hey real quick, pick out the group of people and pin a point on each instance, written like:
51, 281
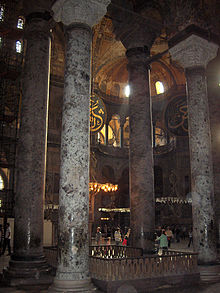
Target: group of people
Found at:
119, 238
166, 236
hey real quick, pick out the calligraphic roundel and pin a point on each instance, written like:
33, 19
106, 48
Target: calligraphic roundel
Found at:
176, 116
97, 114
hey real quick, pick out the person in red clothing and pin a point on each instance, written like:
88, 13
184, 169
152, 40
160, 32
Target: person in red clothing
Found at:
125, 241
169, 234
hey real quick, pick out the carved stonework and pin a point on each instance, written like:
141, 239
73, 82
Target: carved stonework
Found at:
76, 11
131, 28
194, 51
178, 14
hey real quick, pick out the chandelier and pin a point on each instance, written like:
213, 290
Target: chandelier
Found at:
106, 187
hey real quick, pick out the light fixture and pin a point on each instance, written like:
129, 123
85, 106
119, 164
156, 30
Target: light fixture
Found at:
116, 210
106, 187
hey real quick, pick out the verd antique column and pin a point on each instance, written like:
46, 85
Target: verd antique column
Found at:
140, 151
27, 265
137, 35
73, 245
193, 54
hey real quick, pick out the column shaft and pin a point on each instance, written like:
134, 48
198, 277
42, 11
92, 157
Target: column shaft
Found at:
141, 153
194, 53
122, 135
201, 165
74, 181
73, 248
31, 157
106, 133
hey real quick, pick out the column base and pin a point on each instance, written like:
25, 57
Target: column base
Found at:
66, 286
27, 273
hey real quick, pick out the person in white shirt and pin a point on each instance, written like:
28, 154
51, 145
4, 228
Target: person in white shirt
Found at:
117, 236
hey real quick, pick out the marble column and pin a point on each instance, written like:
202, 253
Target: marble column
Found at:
193, 54
73, 247
106, 132
27, 264
138, 35
122, 123
140, 152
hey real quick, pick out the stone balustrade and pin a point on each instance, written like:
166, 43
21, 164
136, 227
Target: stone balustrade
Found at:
111, 265
174, 263
111, 262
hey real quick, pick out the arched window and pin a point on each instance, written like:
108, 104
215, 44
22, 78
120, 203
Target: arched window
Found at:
159, 87
101, 135
2, 10
160, 137
114, 135
18, 46
20, 23
127, 91
126, 133
2, 186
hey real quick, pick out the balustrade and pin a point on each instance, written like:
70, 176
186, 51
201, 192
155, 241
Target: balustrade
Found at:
115, 269
114, 263
114, 251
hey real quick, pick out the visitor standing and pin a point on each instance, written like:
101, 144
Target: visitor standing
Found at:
7, 239
117, 236
190, 238
98, 236
169, 234
127, 235
163, 242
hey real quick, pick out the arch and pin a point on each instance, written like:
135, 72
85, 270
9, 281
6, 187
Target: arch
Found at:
108, 174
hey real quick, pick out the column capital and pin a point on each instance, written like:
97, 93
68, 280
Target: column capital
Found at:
194, 51
76, 11
131, 28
